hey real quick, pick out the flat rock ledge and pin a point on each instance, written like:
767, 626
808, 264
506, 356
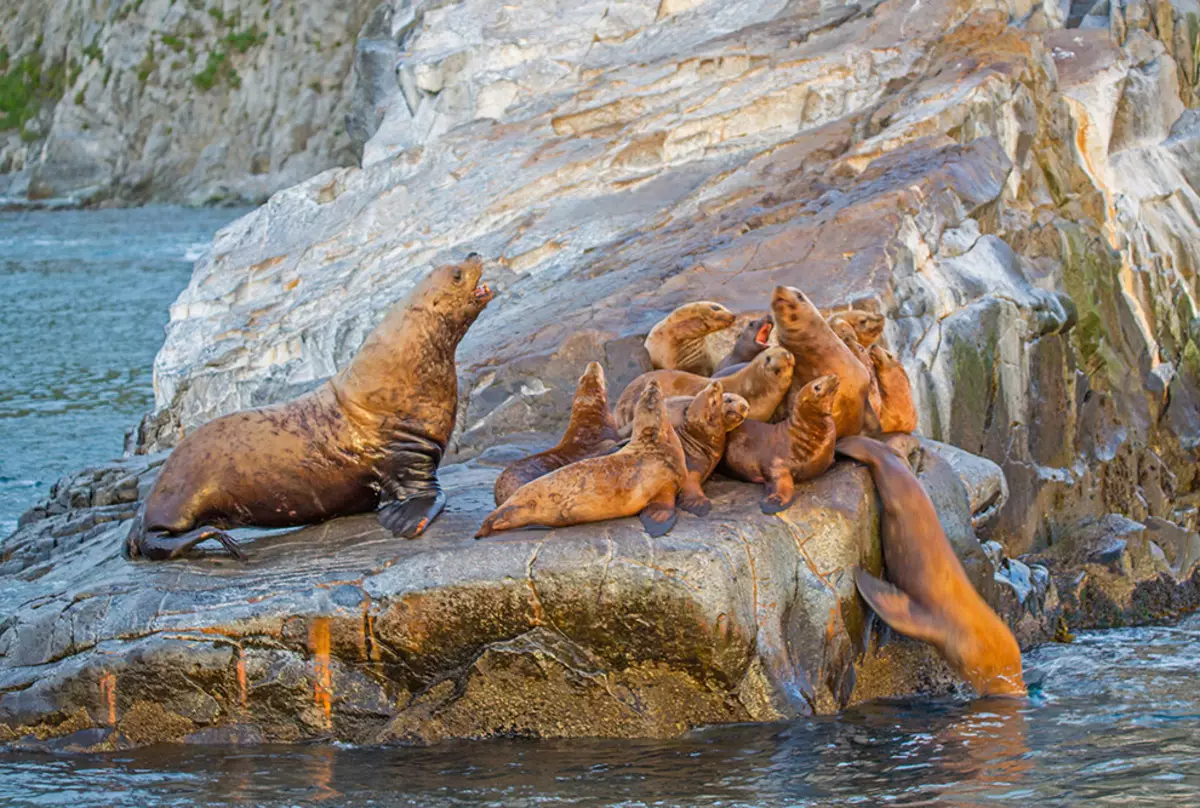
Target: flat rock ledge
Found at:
341, 632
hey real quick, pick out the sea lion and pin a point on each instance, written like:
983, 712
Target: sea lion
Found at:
867, 325
680, 340
763, 383
783, 454
750, 343
643, 478
897, 412
932, 599
710, 416
819, 351
369, 438
590, 431
847, 335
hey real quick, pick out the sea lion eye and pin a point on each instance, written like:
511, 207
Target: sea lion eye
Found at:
458, 276
716, 307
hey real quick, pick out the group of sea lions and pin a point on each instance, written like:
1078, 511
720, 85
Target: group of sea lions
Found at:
372, 437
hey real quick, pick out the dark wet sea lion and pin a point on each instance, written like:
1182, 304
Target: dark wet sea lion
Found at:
791, 451
680, 340
897, 411
867, 325
590, 431
369, 438
750, 343
642, 478
710, 416
763, 383
819, 351
931, 599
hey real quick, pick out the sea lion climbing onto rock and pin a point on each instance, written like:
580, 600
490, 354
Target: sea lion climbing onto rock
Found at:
796, 449
642, 478
710, 416
591, 431
763, 383
930, 597
369, 438
867, 325
897, 411
846, 334
819, 351
680, 340
750, 343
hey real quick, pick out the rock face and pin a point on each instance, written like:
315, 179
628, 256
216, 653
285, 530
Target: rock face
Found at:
128, 101
1019, 198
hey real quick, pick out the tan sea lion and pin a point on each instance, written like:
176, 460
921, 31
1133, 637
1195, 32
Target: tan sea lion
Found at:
763, 383
897, 411
590, 431
819, 351
680, 340
750, 343
710, 416
369, 438
932, 599
642, 478
791, 451
846, 334
867, 325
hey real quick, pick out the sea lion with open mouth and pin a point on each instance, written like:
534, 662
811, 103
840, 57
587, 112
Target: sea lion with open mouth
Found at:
750, 343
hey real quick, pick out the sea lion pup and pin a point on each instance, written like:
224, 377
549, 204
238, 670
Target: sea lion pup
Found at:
750, 343
643, 478
932, 599
710, 416
369, 438
679, 341
846, 334
819, 351
867, 325
590, 431
783, 454
763, 383
897, 412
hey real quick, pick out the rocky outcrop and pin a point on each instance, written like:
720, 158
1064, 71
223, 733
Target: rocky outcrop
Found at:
128, 101
1019, 198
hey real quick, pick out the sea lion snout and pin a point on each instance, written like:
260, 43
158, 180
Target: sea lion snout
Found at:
764, 330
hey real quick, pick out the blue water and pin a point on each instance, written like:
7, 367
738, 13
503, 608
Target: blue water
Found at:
83, 303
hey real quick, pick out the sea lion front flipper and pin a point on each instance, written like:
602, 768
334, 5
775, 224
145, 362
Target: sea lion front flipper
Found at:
691, 497
659, 516
410, 495
156, 545
898, 610
408, 518
780, 492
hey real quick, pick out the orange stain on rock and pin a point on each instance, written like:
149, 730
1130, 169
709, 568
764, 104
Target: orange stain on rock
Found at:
108, 697
241, 677
319, 644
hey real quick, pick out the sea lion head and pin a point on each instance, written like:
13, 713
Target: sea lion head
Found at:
706, 411
819, 394
867, 325
792, 310
776, 363
592, 383
700, 318
844, 330
734, 410
453, 292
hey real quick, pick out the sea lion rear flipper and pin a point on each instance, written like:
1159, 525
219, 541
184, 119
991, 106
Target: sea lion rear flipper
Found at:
898, 610
157, 545
409, 517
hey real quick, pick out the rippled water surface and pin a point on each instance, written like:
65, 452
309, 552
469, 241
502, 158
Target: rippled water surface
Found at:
83, 302
1117, 722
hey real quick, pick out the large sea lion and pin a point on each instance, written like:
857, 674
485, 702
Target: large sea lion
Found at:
932, 599
763, 383
750, 343
710, 416
819, 351
680, 340
642, 478
897, 411
783, 454
867, 325
847, 335
369, 438
590, 431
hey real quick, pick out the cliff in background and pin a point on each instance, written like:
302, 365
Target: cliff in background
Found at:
185, 101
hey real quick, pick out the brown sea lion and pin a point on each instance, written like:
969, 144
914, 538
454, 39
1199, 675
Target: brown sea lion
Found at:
897, 411
710, 416
750, 343
590, 431
819, 351
642, 478
846, 334
932, 599
369, 438
783, 454
867, 325
680, 340
763, 383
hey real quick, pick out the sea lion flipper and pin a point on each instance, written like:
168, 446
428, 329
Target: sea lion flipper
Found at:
157, 545
659, 516
408, 518
691, 497
780, 491
898, 610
